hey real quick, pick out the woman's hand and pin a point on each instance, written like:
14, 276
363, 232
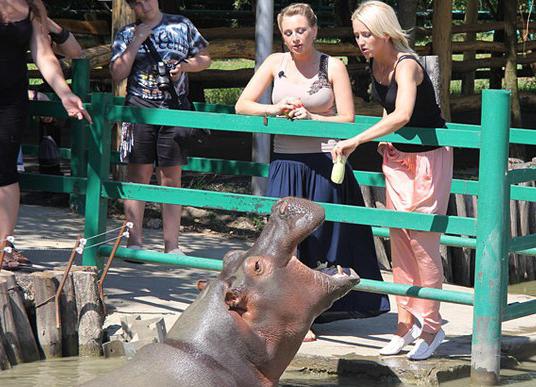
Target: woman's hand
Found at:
299, 113
284, 107
344, 148
73, 105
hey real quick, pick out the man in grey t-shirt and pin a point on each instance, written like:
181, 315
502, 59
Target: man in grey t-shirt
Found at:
183, 50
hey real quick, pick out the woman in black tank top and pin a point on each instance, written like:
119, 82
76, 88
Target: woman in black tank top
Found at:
21, 29
417, 177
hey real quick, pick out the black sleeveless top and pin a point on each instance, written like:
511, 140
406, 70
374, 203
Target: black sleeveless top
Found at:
426, 113
14, 43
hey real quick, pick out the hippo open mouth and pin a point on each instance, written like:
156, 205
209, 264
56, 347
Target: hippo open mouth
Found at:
324, 286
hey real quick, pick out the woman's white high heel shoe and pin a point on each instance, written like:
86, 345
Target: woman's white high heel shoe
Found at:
397, 343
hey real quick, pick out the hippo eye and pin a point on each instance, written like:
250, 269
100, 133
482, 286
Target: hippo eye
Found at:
257, 266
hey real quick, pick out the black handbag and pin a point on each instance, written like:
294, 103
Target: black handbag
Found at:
184, 136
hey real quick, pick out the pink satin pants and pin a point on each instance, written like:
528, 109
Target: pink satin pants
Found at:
417, 182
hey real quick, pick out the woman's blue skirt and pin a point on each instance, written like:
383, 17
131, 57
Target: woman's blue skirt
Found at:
307, 175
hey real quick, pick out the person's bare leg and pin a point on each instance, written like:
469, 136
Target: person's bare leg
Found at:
405, 321
171, 213
9, 209
134, 209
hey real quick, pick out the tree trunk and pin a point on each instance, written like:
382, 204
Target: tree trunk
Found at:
9, 326
471, 17
407, 15
26, 338
68, 316
90, 316
441, 43
495, 81
122, 14
48, 334
510, 71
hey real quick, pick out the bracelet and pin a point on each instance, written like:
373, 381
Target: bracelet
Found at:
60, 37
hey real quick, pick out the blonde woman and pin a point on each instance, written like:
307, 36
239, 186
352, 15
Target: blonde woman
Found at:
22, 27
417, 177
308, 84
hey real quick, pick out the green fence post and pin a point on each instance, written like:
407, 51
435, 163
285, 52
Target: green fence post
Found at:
98, 169
79, 131
491, 244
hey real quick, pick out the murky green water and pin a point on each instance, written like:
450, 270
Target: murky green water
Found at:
69, 372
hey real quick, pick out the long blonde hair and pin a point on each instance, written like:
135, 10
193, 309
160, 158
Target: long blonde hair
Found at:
381, 20
297, 9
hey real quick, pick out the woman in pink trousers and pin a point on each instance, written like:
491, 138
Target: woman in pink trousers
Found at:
417, 177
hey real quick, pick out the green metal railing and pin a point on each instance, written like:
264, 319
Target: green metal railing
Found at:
489, 232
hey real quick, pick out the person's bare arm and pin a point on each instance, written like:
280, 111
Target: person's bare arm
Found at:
263, 77
120, 68
197, 63
50, 68
70, 48
408, 76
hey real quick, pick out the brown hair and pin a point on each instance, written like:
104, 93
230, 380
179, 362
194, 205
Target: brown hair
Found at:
297, 9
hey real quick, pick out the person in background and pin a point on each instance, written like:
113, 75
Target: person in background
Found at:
23, 26
310, 85
417, 177
184, 50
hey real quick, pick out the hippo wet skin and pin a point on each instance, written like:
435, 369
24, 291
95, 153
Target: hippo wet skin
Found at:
246, 325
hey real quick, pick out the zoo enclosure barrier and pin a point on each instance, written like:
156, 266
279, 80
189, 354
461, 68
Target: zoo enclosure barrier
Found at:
489, 232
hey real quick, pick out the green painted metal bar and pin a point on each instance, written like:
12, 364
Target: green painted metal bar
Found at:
492, 239
164, 258
240, 123
519, 309
52, 183
522, 243
366, 285
99, 147
522, 136
447, 240
522, 175
520, 192
452, 296
48, 109
262, 205
79, 132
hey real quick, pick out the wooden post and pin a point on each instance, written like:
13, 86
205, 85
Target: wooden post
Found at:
69, 315
441, 43
48, 335
9, 326
90, 317
471, 17
4, 360
26, 338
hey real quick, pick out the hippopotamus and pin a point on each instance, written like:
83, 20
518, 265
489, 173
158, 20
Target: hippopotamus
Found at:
247, 324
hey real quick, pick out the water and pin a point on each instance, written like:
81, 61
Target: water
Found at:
69, 372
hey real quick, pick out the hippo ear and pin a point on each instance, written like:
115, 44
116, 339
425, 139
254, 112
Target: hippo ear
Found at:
232, 260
